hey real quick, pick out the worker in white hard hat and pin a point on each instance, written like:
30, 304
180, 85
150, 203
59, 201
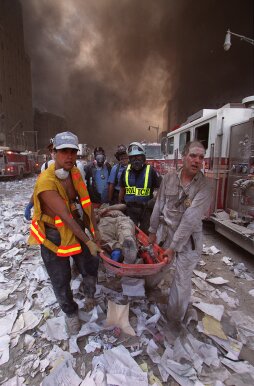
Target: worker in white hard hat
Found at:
138, 182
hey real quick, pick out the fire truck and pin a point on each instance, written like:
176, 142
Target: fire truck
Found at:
155, 157
15, 164
228, 136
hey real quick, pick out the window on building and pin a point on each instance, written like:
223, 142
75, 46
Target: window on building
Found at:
184, 138
171, 145
202, 134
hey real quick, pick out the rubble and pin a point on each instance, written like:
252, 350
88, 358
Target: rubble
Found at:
125, 337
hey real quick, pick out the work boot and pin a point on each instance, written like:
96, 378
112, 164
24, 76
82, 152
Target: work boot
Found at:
129, 250
73, 324
89, 286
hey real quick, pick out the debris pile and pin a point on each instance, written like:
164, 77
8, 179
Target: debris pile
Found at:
125, 338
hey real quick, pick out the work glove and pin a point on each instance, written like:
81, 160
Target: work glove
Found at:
28, 211
93, 248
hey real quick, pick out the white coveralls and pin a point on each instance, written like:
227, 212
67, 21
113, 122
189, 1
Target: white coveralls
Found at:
177, 220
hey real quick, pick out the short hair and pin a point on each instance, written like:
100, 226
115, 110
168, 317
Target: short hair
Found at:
188, 145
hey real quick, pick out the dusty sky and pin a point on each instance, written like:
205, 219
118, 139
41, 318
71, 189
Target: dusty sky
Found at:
110, 66
99, 64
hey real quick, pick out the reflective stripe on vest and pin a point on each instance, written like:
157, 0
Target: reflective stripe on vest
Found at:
58, 222
40, 237
69, 250
142, 192
85, 201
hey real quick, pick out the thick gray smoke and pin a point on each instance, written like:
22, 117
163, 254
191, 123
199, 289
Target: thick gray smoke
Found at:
110, 66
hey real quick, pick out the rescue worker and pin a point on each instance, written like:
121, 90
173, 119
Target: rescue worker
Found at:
96, 175
44, 166
115, 174
138, 182
59, 228
176, 222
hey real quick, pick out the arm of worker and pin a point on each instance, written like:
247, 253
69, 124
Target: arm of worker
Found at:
111, 182
58, 207
111, 188
192, 217
157, 210
28, 208
97, 235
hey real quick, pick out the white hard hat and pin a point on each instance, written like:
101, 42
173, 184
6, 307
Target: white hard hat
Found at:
135, 148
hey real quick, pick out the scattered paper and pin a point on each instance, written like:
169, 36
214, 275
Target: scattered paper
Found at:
217, 280
214, 310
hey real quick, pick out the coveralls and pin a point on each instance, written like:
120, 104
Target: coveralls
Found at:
177, 220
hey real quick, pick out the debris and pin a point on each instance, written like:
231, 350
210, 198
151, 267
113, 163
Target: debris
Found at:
217, 280
214, 310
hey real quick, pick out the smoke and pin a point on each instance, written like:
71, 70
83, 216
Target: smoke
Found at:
111, 66
99, 65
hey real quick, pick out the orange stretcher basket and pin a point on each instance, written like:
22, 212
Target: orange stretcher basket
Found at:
121, 269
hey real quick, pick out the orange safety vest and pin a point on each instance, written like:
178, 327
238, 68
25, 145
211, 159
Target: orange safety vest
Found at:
47, 180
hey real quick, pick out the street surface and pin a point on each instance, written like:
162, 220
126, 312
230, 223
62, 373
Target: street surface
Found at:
33, 340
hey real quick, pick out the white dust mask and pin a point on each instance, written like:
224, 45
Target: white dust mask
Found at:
62, 174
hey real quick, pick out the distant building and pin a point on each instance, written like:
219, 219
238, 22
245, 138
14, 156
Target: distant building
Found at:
47, 125
16, 113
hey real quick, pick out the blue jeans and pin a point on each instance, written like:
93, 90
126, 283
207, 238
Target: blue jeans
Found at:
59, 270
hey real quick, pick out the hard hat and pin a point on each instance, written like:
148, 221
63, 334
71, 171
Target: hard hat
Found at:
98, 149
121, 150
135, 148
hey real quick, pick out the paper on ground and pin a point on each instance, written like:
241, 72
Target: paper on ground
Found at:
227, 260
55, 329
232, 346
251, 292
200, 274
62, 375
213, 327
4, 349
7, 322
133, 286
15, 381
217, 280
214, 310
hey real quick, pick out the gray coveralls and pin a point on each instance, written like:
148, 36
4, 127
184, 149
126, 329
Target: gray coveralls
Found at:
177, 220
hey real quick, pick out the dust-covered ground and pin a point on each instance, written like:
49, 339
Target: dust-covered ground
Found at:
35, 348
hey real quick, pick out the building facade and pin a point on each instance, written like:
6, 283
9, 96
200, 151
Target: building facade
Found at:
16, 113
47, 125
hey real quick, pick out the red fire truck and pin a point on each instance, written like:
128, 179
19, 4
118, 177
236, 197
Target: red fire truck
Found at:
15, 164
155, 157
228, 136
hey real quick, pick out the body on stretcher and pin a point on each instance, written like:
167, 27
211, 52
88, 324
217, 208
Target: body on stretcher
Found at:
152, 256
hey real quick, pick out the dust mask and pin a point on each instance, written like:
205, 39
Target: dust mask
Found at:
62, 174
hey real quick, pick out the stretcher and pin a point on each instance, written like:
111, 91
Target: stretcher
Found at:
156, 264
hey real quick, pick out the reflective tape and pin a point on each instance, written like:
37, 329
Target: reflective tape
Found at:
85, 201
69, 250
39, 236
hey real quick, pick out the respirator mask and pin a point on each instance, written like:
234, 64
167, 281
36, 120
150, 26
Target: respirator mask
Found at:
100, 158
137, 164
62, 174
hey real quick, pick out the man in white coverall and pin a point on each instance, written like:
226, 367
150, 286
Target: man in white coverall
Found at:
182, 201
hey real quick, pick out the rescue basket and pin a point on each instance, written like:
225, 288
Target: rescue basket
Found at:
122, 269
